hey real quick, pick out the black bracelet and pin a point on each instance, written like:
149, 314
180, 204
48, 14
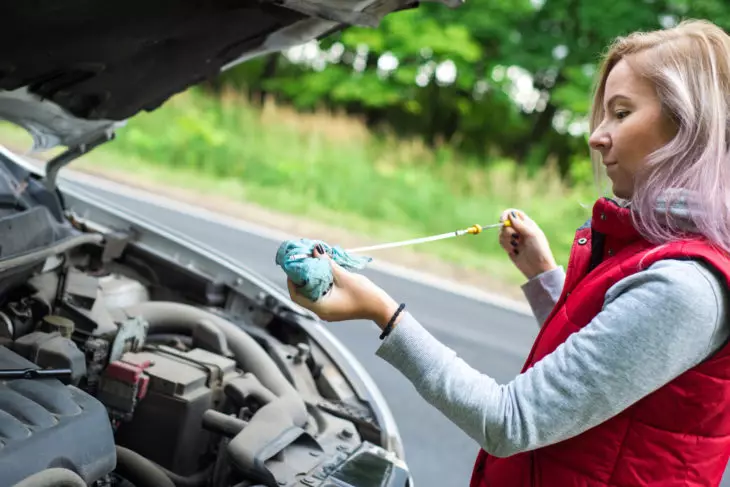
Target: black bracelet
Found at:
389, 327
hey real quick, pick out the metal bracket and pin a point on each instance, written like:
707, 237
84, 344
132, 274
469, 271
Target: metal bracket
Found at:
130, 338
114, 245
55, 164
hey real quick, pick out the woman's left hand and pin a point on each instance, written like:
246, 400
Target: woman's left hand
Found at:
352, 297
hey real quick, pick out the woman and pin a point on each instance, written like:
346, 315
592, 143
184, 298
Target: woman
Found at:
628, 381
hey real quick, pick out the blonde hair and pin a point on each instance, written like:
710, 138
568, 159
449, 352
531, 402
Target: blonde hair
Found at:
689, 66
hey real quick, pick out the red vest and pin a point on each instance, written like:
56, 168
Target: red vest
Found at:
677, 436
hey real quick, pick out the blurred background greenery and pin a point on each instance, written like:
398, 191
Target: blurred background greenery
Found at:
437, 119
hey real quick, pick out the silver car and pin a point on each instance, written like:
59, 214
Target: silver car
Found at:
131, 355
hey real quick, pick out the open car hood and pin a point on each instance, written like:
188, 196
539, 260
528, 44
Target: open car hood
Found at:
72, 71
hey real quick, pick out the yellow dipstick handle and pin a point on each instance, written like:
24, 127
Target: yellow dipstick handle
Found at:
477, 229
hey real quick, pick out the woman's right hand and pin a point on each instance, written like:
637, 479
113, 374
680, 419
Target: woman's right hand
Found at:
526, 244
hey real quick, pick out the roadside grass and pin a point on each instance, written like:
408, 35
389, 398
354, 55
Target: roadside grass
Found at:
330, 168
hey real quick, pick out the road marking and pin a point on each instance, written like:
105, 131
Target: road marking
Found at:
279, 236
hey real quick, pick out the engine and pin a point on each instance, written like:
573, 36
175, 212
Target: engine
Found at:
98, 379
44, 423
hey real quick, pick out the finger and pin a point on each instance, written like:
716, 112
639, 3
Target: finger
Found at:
519, 220
505, 238
295, 296
319, 307
319, 251
513, 215
509, 237
509, 242
505, 214
523, 216
510, 214
503, 218
507, 232
338, 273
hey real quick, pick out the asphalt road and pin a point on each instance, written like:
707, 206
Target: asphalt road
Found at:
491, 339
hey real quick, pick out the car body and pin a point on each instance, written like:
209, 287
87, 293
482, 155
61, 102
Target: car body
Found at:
129, 353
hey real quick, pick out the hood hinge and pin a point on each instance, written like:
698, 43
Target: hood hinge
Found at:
54, 165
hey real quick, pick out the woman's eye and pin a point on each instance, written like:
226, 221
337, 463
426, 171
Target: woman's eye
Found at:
622, 114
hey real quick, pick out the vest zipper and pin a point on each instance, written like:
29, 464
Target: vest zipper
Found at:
533, 480
564, 295
598, 241
561, 300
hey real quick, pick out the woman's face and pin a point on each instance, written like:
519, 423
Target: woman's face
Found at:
632, 127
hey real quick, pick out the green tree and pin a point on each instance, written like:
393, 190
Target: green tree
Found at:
493, 47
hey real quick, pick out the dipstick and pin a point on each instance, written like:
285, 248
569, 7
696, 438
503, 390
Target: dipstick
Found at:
472, 230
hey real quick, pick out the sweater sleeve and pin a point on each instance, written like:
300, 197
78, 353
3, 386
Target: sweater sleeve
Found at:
654, 325
543, 291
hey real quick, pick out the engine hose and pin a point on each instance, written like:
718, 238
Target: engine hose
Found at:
199, 479
140, 471
171, 317
53, 477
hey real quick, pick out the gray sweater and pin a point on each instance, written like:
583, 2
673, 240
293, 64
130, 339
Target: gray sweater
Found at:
654, 325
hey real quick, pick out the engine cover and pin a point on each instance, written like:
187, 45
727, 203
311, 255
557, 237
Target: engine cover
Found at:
44, 423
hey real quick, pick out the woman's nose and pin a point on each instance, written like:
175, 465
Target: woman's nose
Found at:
600, 140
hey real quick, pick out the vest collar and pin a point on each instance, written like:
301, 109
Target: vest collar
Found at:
612, 219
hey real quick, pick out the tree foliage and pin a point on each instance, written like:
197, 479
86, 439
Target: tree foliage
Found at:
508, 78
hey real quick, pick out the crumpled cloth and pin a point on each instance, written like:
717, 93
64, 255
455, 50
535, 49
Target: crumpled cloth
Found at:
312, 276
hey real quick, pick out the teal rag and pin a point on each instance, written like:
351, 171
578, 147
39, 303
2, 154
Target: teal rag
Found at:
313, 276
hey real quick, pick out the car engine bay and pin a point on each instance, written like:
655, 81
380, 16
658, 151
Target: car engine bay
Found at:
125, 369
